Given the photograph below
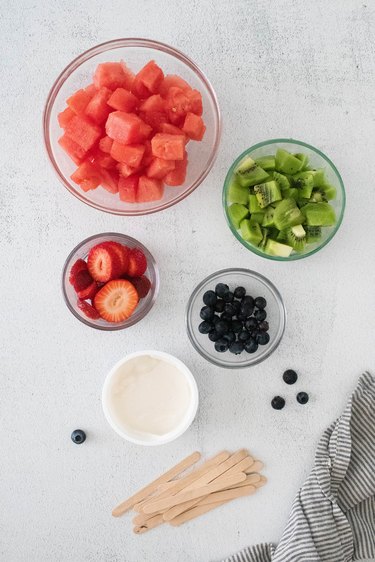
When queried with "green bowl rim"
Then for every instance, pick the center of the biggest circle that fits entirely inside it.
(255, 250)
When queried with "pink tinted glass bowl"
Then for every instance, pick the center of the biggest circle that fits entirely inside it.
(136, 53)
(81, 251)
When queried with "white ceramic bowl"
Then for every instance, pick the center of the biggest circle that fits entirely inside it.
(134, 436)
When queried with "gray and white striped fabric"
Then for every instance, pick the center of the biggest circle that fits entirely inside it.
(333, 515)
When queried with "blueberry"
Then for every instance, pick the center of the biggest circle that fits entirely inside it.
(251, 324)
(227, 317)
(228, 297)
(78, 436)
(207, 313)
(221, 289)
(241, 317)
(215, 319)
(251, 346)
(219, 306)
(229, 309)
(302, 397)
(263, 338)
(239, 292)
(221, 345)
(260, 302)
(260, 315)
(244, 336)
(290, 376)
(230, 337)
(264, 326)
(236, 306)
(249, 299)
(247, 309)
(236, 347)
(222, 327)
(278, 403)
(209, 298)
(236, 326)
(214, 336)
(205, 327)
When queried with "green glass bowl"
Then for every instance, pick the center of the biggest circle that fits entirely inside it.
(317, 160)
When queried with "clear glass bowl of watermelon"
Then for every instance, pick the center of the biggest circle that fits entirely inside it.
(136, 53)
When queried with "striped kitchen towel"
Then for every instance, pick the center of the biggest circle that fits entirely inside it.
(333, 515)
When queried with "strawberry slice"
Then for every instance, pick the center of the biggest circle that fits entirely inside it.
(142, 285)
(103, 263)
(137, 263)
(121, 251)
(89, 292)
(88, 310)
(116, 301)
(82, 280)
(79, 265)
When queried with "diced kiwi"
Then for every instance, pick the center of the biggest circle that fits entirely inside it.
(304, 159)
(286, 162)
(296, 237)
(249, 173)
(287, 214)
(274, 248)
(313, 234)
(268, 217)
(281, 237)
(257, 217)
(251, 231)
(267, 193)
(318, 177)
(238, 193)
(282, 181)
(317, 195)
(305, 183)
(266, 162)
(265, 234)
(292, 192)
(237, 213)
(253, 204)
(319, 214)
(329, 190)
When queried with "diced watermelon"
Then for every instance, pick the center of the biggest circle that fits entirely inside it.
(149, 190)
(151, 76)
(91, 90)
(123, 100)
(83, 132)
(168, 147)
(128, 188)
(154, 119)
(160, 168)
(170, 81)
(147, 157)
(98, 109)
(110, 179)
(112, 75)
(65, 116)
(178, 175)
(145, 130)
(76, 152)
(195, 99)
(153, 103)
(172, 130)
(125, 170)
(87, 176)
(103, 159)
(126, 128)
(194, 126)
(105, 144)
(130, 154)
(79, 101)
(178, 104)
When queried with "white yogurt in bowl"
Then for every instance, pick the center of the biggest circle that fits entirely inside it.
(150, 398)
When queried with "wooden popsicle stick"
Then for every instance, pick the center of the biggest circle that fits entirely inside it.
(251, 479)
(151, 524)
(182, 483)
(150, 488)
(219, 470)
(255, 467)
(219, 484)
(262, 481)
(241, 466)
(195, 512)
(230, 494)
(160, 490)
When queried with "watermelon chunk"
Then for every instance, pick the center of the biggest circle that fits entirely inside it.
(154, 119)
(79, 101)
(76, 152)
(123, 100)
(98, 109)
(91, 90)
(126, 128)
(194, 126)
(130, 154)
(178, 175)
(103, 160)
(125, 170)
(195, 101)
(153, 103)
(113, 75)
(128, 188)
(172, 130)
(147, 157)
(105, 144)
(87, 176)
(178, 104)
(83, 132)
(65, 116)
(150, 76)
(160, 168)
(110, 179)
(149, 190)
(168, 147)
(170, 81)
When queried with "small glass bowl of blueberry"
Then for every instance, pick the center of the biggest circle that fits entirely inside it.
(235, 318)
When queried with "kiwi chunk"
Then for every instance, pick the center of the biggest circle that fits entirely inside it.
(251, 231)
(268, 217)
(313, 234)
(267, 193)
(282, 181)
(274, 248)
(249, 173)
(287, 214)
(304, 159)
(329, 191)
(296, 237)
(253, 204)
(257, 217)
(317, 195)
(318, 177)
(319, 214)
(292, 192)
(237, 213)
(304, 182)
(287, 163)
(238, 193)
(266, 162)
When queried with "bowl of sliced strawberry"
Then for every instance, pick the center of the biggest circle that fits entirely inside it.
(110, 281)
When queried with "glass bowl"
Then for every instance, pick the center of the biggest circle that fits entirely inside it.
(136, 53)
(317, 160)
(81, 251)
(255, 285)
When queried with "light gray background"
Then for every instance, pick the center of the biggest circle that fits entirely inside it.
(280, 68)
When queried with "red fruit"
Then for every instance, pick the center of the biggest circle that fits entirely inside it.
(79, 101)
(126, 128)
(90, 89)
(142, 285)
(88, 310)
(149, 189)
(131, 154)
(137, 263)
(153, 103)
(76, 153)
(160, 168)
(178, 104)
(147, 157)
(98, 109)
(125, 170)
(170, 81)
(128, 188)
(116, 301)
(105, 144)
(194, 126)
(112, 75)
(81, 280)
(168, 147)
(154, 119)
(83, 132)
(89, 292)
(122, 253)
(123, 100)
(103, 160)
(79, 265)
(195, 99)
(109, 180)
(65, 116)
(171, 130)
(87, 176)
(178, 175)
(103, 264)
(150, 76)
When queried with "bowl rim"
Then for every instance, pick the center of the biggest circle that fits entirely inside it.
(269, 349)
(129, 322)
(190, 415)
(294, 256)
(106, 46)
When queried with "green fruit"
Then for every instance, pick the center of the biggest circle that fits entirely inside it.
(237, 193)
(251, 231)
(318, 177)
(257, 217)
(267, 193)
(287, 214)
(266, 162)
(304, 182)
(313, 234)
(281, 237)
(319, 214)
(304, 159)
(265, 234)
(274, 248)
(286, 162)
(296, 237)
(329, 191)
(292, 192)
(317, 195)
(253, 204)
(237, 213)
(249, 173)
(282, 181)
(268, 217)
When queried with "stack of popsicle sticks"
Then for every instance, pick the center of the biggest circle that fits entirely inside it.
(176, 499)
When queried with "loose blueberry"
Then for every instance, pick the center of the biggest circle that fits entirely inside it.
(278, 403)
(209, 298)
(244, 336)
(264, 326)
(221, 345)
(214, 336)
(241, 317)
(229, 309)
(215, 319)
(302, 397)
(230, 337)
(251, 346)
(219, 306)
(228, 297)
(290, 376)
(260, 302)
(249, 299)
(236, 347)
(78, 436)
(247, 309)
(260, 315)
(205, 327)
(263, 338)
(207, 313)
(239, 292)
(236, 326)
(227, 317)
(236, 306)
(222, 327)
(251, 324)
(221, 289)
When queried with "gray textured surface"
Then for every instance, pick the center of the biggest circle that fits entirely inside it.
(280, 68)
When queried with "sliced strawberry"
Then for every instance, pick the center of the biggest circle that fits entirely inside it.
(116, 301)
(137, 263)
(142, 285)
(82, 280)
(89, 292)
(121, 251)
(88, 310)
(79, 265)
(103, 263)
